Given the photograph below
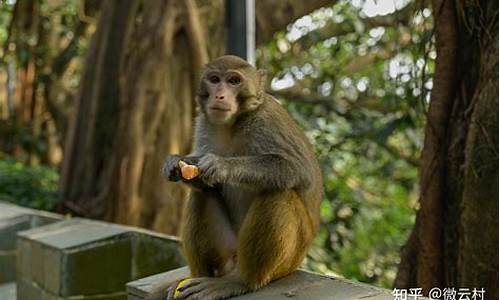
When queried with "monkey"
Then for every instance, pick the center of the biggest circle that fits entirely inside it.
(253, 211)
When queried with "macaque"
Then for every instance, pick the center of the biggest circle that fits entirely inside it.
(254, 206)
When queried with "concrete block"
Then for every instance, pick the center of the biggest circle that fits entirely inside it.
(14, 219)
(298, 285)
(91, 259)
(52, 265)
(114, 296)
(8, 210)
(24, 266)
(97, 270)
(7, 267)
(9, 228)
(8, 291)
(37, 263)
(27, 290)
(76, 257)
(139, 289)
(154, 253)
(74, 233)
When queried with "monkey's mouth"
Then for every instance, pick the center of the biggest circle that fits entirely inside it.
(219, 108)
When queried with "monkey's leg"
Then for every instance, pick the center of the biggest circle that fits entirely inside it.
(274, 238)
(272, 243)
(208, 238)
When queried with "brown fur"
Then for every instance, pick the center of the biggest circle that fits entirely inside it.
(254, 210)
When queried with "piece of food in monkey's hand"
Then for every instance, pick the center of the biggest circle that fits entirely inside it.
(180, 285)
(188, 172)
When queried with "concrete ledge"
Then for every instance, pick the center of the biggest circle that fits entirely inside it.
(298, 285)
(8, 291)
(139, 289)
(89, 259)
(12, 220)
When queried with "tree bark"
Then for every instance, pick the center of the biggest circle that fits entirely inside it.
(455, 240)
(88, 161)
(477, 263)
(136, 104)
(430, 271)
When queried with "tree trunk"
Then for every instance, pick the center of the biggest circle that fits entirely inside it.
(136, 105)
(455, 239)
(133, 90)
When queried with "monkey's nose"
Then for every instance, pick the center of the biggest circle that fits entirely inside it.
(219, 97)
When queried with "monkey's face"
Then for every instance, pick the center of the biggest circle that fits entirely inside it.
(229, 87)
(219, 100)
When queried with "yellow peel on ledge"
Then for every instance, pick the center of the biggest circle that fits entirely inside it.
(179, 285)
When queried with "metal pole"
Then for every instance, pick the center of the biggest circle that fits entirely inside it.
(240, 28)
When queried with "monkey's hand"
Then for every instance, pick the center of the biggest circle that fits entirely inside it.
(170, 169)
(212, 170)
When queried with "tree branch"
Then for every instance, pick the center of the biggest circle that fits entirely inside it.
(198, 43)
(273, 16)
(369, 59)
(10, 29)
(394, 151)
(332, 29)
(59, 65)
(296, 94)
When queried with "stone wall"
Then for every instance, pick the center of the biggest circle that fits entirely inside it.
(50, 257)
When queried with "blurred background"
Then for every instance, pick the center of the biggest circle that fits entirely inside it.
(94, 94)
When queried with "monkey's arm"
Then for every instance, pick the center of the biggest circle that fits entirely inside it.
(265, 171)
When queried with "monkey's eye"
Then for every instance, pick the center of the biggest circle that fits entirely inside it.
(234, 80)
(214, 79)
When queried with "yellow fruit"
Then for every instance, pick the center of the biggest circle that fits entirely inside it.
(179, 285)
(188, 172)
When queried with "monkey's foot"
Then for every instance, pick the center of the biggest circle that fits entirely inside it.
(211, 288)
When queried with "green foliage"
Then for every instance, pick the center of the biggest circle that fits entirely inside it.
(45, 41)
(360, 93)
(5, 15)
(30, 186)
(14, 134)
